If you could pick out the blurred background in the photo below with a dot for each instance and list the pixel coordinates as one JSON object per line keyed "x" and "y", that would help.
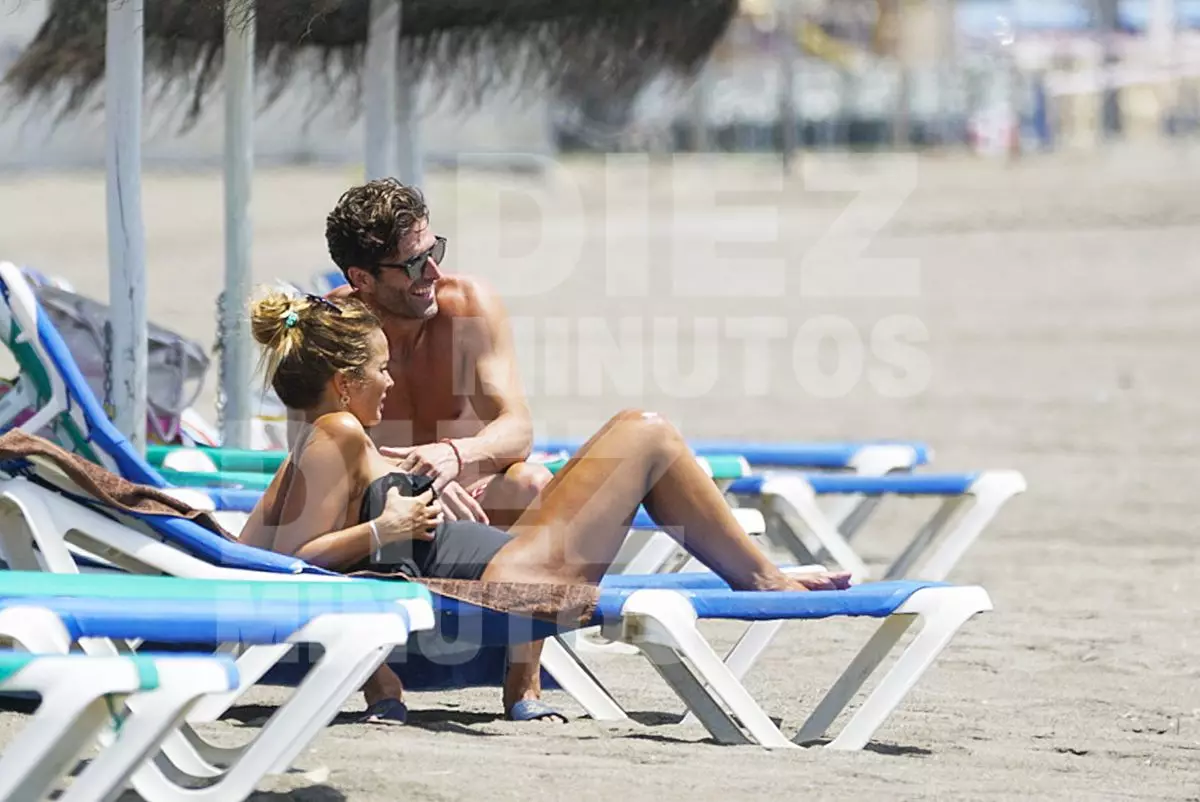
{"x": 1013, "y": 119}
{"x": 993, "y": 76}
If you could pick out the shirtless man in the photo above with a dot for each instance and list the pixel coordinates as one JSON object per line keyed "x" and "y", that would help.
{"x": 457, "y": 411}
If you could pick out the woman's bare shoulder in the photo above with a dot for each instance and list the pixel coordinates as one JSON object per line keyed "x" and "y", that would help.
{"x": 337, "y": 433}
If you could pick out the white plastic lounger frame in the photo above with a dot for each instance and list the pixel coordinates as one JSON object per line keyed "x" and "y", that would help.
{"x": 662, "y": 624}
{"x": 76, "y": 694}
{"x": 575, "y": 677}
{"x": 355, "y": 645}
{"x": 80, "y": 696}
{"x": 870, "y": 460}
{"x": 23, "y": 330}
{"x": 812, "y": 534}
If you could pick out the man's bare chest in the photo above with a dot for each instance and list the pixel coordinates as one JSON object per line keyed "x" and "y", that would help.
{"x": 430, "y": 386}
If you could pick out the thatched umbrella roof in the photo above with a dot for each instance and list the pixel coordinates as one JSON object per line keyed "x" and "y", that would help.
{"x": 539, "y": 45}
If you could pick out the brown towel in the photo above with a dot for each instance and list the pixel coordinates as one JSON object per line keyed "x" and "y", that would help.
{"x": 103, "y": 484}
{"x": 567, "y": 605}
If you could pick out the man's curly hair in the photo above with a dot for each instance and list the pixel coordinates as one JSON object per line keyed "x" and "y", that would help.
{"x": 369, "y": 221}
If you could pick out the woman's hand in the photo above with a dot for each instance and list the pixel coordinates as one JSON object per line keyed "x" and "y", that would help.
{"x": 408, "y": 517}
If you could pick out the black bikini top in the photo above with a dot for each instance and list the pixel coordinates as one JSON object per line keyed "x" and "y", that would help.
{"x": 375, "y": 499}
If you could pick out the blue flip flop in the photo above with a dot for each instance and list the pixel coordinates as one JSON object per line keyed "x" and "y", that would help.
{"x": 533, "y": 710}
{"x": 385, "y": 711}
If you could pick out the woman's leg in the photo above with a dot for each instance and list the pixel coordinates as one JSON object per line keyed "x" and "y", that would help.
{"x": 574, "y": 532}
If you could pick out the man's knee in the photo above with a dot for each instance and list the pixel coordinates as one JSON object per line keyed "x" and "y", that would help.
{"x": 525, "y": 480}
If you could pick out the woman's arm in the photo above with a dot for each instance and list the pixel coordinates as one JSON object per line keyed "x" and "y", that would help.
{"x": 338, "y": 550}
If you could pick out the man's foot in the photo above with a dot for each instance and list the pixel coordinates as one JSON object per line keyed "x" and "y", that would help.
{"x": 839, "y": 580}
{"x": 534, "y": 710}
{"x": 383, "y": 691}
{"x": 818, "y": 580}
{"x": 385, "y": 711}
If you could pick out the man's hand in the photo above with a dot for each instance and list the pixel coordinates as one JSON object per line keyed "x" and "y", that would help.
{"x": 459, "y": 505}
{"x": 438, "y": 460}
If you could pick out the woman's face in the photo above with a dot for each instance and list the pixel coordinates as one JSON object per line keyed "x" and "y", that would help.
{"x": 367, "y": 392}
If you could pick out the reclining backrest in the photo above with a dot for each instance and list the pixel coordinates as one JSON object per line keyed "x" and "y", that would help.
{"x": 181, "y": 533}
{"x": 93, "y": 434}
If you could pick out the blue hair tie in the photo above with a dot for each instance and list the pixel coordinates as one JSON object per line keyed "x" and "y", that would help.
{"x": 291, "y": 319}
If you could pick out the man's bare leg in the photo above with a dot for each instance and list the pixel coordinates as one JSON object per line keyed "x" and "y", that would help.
{"x": 523, "y": 683}
{"x": 382, "y": 693}
{"x": 504, "y": 497}
{"x": 581, "y": 519}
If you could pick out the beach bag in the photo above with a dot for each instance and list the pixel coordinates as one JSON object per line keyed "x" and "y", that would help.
{"x": 176, "y": 366}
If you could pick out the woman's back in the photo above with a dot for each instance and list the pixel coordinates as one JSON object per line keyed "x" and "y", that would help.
{"x": 321, "y": 486}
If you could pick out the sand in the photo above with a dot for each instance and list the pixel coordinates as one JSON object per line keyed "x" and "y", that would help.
{"x": 1051, "y": 329}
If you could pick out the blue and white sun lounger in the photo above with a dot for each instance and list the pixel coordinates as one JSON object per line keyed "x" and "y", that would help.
{"x": 80, "y": 695}
{"x": 662, "y": 624}
{"x": 869, "y": 458}
{"x": 358, "y": 624}
{"x": 58, "y": 391}
{"x": 811, "y": 534}
{"x": 657, "y": 614}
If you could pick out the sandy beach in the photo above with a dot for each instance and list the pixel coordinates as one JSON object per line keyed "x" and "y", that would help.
{"x": 1039, "y": 317}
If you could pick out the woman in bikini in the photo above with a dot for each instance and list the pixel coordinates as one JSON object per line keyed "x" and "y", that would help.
{"x": 333, "y": 502}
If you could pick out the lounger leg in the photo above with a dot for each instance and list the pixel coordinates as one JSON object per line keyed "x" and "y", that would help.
{"x": 252, "y": 663}
{"x": 848, "y": 684}
{"x": 848, "y": 513}
{"x": 181, "y": 746}
{"x": 27, "y": 530}
{"x": 943, "y": 611}
{"x": 757, "y": 637}
{"x": 75, "y": 704}
{"x": 663, "y": 625}
{"x": 189, "y": 753}
{"x": 34, "y": 629}
{"x": 181, "y": 681}
{"x": 694, "y": 693}
{"x": 578, "y": 680}
{"x": 354, "y": 647}
{"x": 926, "y": 535}
{"x": 851, "y": 517}
{"x": 992, "y": 490}
{"x": 810, "y": 530}
{"x": 658, "y": 549}
{"x": 39, "y": 630}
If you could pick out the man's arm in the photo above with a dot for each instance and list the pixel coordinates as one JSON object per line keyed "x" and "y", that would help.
{"x": 497, "y": 394}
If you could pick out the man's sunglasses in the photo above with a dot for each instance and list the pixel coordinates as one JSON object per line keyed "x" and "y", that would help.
{"x": 414, "y": 267}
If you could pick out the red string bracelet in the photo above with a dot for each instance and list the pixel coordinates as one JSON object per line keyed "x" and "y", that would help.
{"x": 457, "y": 453}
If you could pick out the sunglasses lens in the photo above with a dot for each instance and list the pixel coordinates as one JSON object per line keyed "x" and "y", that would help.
{"x": 416, "y": 267}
